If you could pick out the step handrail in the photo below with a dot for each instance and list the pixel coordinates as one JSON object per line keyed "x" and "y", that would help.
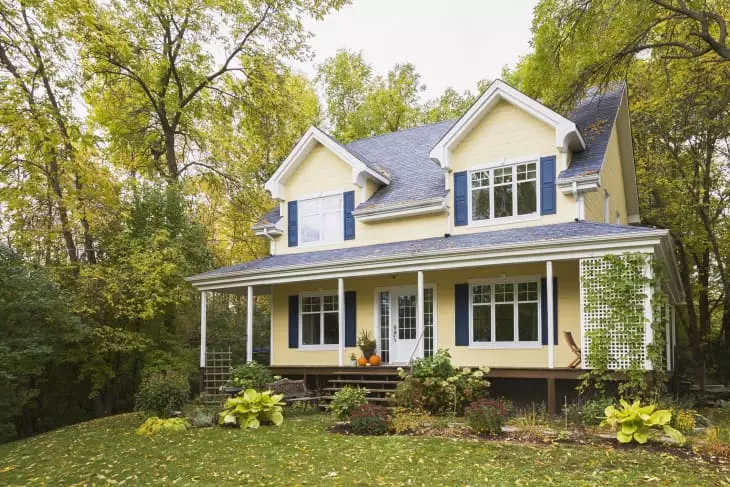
{"x": 415, "y": 348}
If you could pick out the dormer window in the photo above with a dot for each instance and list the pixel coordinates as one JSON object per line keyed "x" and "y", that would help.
{"x": 503, "y": 192}
{"x": 320, "y": 219}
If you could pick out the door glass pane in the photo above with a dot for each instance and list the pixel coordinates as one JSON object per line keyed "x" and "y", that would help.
{"x": 428, "y": 322}
{"x": 527, "y": 326}
{"x": 310, "y": 329}
{"x": 482, "y": 323}
{"x": 331, "y": 328}
{"x": 384, "y": 306}
{"x": 406, "y": 317}
{"x": 504, "y": 322}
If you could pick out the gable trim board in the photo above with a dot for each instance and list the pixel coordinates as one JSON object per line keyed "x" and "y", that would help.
{"x": 567, "y": 135}
{"x": 360, "y": 170}
{"x": 409, "y": 208}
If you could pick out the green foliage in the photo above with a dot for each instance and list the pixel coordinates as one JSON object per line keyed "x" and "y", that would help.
{"x": 485, "y": 416}
{"x": 162, "y": 394}
{"x": 155, "y": 425}
{"x": 366, "y": 342}
{"x": 439, "y": 387}
{"x": 250, "y": 408}
{"x": 251, "y": 376}
{"x": 410, "y": 421}
{"x": 633, "y": 422}
{"x": 683, "y": 420}
{"x": 588, "y": 413}
{"x": 345, "y": 401}
{"x": 370, "y": 419}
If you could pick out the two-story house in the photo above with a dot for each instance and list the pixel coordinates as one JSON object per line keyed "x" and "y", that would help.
{"x": 470, "y": 235}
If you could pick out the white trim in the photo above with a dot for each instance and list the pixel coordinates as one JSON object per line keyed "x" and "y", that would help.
{"x": 580, "y": 207}
{"x": 606, "y": 207}
{"x": 582, "y": 306}
{"x": 320, "y": 346}
{"x": 648, "y": 314}
{"x": 360, "y": 171}
{"x": 509, "y": 253}
{"x": 271, "y": 326}
{"x": 341, "y": 319}
{"x": 512, "y": 163}
{"x": 550, "y": 311}
{"x": 249, "y": 323}
{"x": 420, "y": 328}
{"x": 433, "y": 205}
{"x": 567, "y": 135}
{"x": 584, "y": 184}
{"x": 203, "y": 326}
{"x": 492, "y": 281}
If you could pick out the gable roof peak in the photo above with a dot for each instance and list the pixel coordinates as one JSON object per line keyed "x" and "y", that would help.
{"x": 567, "y": 135}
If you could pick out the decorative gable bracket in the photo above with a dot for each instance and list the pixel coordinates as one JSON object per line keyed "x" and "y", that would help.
{"x": 361, "y": 172}
{"x": 567, "y": 135}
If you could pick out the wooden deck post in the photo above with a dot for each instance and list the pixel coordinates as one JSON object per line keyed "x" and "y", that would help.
{"x": 203, "y": 313}
{"x": 249, "y": 323}
{"x": 551, "y": 399}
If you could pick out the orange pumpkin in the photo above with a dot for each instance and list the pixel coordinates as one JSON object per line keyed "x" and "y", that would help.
{"x": 374, "y": 360}
{"x": 362, "y": 361}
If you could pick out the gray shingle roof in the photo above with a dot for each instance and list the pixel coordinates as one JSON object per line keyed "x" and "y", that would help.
{"x": 270, "y": 218}
{"x": 404, "y": 155}
{"x": 485, "y": 239}
{"x": 594, "y": 115}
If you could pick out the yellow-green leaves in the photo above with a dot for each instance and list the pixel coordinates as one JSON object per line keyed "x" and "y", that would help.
{"x": 633, "y": 422}
{"x": 250, "y": 407}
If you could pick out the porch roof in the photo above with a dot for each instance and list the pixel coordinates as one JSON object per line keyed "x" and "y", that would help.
{"x": 533, "y": 243}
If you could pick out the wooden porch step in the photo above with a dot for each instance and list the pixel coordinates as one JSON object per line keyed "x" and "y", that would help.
{"x": 369, "y": 391}
{"x": 369, "y": 371}
{"x": 370, "y": 399}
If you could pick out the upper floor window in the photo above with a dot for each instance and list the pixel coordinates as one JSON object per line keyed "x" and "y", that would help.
{"x": 320, "y": 219}
{"x": 503, "y": 192}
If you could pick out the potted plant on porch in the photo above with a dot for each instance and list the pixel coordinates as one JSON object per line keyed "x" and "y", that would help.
{"x": 353, "y": 360}
{"x": 367, "y": 343}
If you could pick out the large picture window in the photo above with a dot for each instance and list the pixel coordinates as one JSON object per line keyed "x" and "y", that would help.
{"x": 504, "y": 192}
{"x": 505, "y": 312}
{"x": 320, "y": 320}
{"x": 320, "y": 219}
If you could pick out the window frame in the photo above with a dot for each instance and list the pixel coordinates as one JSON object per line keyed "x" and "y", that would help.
{"x": 321, "y": 345}
{"x": 341, "y": 229}
{"x": 513, "y": 163}
{"x": 494, "y": 344}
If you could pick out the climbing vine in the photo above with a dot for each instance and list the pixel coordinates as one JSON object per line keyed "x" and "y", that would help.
{"x": 615, "y": 293}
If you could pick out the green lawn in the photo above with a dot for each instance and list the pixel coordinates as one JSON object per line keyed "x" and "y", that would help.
{"x": 301, "y": 452}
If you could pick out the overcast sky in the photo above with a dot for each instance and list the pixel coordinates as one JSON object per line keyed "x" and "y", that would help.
{"x": 451, "y": 42}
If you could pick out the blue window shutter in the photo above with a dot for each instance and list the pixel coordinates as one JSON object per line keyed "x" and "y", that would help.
{"x": 547, "y": 186}
{"x": 461, "y": 209}
{"x": 543, "y": 310}
{"x": 291, "y": 216}
{"x": 348, "y": 201}
{"x": 293, "y": 321}
{"x": 461, "y": 314}
{"x": 350, "y": 319}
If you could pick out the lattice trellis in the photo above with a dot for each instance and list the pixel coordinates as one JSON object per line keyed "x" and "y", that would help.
{"x": 622, "y": 339}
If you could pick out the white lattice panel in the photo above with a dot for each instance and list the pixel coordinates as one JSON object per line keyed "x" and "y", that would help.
{"x": 599, "y": 316}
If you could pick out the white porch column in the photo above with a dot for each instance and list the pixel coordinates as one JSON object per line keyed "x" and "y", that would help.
{"x": 249, "y": 324}
{"x": 550, "y": 311}
{"x": 203, "y": 313}
{"x": 341, "y": 317}
{"x": 419, "y": 315}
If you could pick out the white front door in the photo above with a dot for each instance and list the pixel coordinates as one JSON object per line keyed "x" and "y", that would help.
{"x": 404, "y": 330}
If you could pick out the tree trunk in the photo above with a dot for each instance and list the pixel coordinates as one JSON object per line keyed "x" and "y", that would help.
{"x": 170, "y": 155}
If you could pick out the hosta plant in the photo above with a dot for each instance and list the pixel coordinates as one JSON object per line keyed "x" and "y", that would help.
{"x": 634, "y": 422}
{"x": 249, "y": 408}
{"x": 155, "y": 425}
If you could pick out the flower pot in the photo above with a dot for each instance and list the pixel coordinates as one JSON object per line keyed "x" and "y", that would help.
{"x": 353, "y": 363}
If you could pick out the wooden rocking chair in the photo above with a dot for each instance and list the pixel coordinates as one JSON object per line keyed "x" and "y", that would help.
{"x": 576, "y": 350}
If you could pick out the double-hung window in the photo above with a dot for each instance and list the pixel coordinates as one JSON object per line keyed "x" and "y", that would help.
{"x": 320, "y": 320}
{"x": 504, "y": 192}
{"x": 504, "y": 313}
{"x": 320, "y": 219}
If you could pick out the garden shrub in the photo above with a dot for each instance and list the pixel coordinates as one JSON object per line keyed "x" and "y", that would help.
{"x": 413, "y": 421}
{"x": 155, "y": 425}
{"x": 345, "y": 401}
{"x": 439, "y": 387}
{"x": 589, "y": 412}
{"x": 252, "y": 375}
{"x": 160, "y": 394}
{"x": 201, "y": 417}
{"x": 683, "y": 420}
{"x": 634, "y": 422}
{"x": 250, "y": 408}
{"x": 716, "y": 442}
{"x": 485, "y": 416}
{"x": 370, "y": 419}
